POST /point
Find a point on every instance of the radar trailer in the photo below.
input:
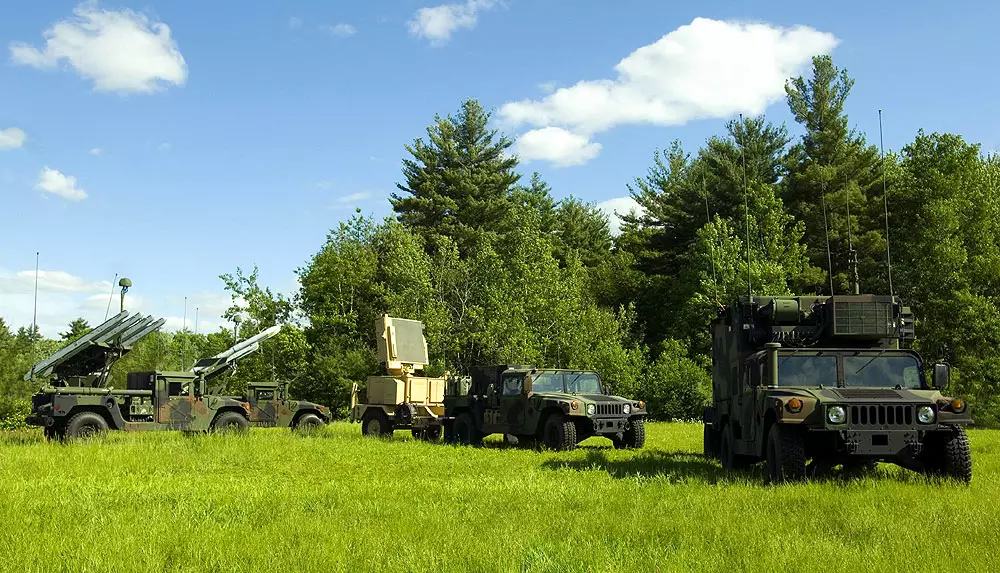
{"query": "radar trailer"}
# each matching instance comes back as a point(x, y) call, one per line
point(77, 402)
point(827, 380)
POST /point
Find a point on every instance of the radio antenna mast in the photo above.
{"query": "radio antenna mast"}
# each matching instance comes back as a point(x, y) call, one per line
point(111, 297)
point(746, 208)
point(708, 219)
point(852, 255)
point(826, 229)
point(885, 204)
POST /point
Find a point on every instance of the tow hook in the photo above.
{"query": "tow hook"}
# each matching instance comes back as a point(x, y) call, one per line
point(851, 445)
point(627, 426)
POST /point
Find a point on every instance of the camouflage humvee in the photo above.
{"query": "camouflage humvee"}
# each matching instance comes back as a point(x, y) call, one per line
point(559, 407)
point(77, 402)
point(271, 407)
point(825, 380)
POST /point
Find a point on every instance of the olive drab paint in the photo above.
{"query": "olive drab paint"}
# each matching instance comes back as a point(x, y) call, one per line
point(788, 388)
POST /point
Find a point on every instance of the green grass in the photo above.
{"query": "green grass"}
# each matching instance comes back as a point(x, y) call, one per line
point(273, 501)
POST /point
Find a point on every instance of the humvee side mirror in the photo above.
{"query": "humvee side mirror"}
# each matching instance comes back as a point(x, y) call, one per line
point(941, 376)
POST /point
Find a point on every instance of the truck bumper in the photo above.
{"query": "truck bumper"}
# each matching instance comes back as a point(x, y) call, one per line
point(901, 444)
point(39, 420)
point(610, 426)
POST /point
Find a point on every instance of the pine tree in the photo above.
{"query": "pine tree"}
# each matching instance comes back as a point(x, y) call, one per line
point(77, 328)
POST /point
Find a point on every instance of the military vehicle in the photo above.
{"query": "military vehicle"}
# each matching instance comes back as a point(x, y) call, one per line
point(270, 404)
point(77, 402)
point(559, 407)
point(400, 399)
point(828, 380)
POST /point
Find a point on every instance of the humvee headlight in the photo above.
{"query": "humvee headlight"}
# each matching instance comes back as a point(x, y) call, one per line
point(591, 409)
point(575, 405)
point(958, 405)
point(925, 414)
point(836, 414)
point(794, 405)
point(642, 404)
point(626, 409)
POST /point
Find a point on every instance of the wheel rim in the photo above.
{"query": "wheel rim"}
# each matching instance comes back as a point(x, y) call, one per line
point(87, 431)
point(373, 426)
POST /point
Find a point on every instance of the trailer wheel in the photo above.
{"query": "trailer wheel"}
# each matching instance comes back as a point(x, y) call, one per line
point(375, 423)
point(86, 425)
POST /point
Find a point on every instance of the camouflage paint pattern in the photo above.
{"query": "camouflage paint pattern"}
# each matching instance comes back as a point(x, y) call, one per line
point(270, 406)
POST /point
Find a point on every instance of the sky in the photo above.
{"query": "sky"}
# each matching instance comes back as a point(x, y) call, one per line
point(171, 142)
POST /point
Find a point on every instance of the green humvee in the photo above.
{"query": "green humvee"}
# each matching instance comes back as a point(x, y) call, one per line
point(824, 380)
point(270, 406)
point(77, 402)
point(559, 407)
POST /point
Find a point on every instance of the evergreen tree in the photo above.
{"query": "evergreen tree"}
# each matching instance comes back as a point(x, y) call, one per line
point(459, 182)
point(77, 328)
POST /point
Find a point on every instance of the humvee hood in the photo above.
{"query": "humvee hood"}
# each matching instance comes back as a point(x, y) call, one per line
point(875, 395)
point(600, 398)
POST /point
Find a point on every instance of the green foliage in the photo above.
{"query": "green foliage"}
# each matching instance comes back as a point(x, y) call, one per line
point(77, 328)
point(676, 387)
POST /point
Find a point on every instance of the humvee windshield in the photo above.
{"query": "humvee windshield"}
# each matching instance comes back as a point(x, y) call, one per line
point(876, 371)
point(568, 382)
point(806, 370)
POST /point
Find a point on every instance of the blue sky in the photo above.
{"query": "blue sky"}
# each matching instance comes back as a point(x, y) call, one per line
point(171, 142)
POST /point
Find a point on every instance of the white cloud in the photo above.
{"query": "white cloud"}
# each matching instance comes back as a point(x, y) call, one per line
point(556, 145)
point(96, 151)
point(547, 87)
point(354, 197)
point(120, 51)
point(163, 146)
point(52, 181)
point(613, 208)
point(438, 22)
point(705, 69)
point(341, 30)
point(11, 138)
point(294, 23)
point(23, 282)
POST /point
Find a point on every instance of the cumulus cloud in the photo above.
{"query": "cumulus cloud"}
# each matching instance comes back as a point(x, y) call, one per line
point(341, 30)
point(23, 282)
point(616, 207)
point(556, 145)
point(437, 23)
point(12, 138)
point(705, 69)
point(120, 51)
point(52, 181)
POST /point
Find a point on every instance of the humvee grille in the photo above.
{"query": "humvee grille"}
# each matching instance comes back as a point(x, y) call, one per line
point(609, 409)
point(882, 415)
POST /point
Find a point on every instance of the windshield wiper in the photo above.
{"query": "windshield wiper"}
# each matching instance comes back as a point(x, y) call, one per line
point(880, 353)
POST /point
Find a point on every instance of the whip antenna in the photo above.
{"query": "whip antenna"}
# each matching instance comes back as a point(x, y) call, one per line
point(885, 204)
point(708, 219)
point(852, 255)
point(826, 229)
point(746, 206)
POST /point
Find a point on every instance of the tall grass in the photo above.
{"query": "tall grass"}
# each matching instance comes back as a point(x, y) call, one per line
point(274, 501)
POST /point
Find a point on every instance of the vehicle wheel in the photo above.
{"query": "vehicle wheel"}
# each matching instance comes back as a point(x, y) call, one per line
point(465, 430)
point(429, 434)
point(786, 455)
point(559, 433)
point(375, 423)
point(948, 455)
point(449, 432)
point(710, 447)
point(228, 422)
point(308, 423)
point(634, 438)
point(52, 432)
point(86, 425)
point(727, 456)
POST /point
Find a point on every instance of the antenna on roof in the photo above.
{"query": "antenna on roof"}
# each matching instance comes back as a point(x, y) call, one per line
point(708, 219)
point(34, 316)
point(746, 207)
point(111, 297)
point(826, 229)
point(885, 204)
point(852, 255)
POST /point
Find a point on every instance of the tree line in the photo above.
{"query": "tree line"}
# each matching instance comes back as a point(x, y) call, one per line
point(502, 272)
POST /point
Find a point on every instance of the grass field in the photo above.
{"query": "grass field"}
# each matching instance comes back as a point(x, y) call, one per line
point(273, 501)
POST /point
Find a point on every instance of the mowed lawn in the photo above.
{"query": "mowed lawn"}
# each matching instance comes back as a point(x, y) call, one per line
point(273, 501)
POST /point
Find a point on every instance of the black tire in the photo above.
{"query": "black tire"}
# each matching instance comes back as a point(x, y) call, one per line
point(52, 433)
point(949, 455)
point(449, 432)
point(432, 433)
point(465, 430)
point(233, 422)
point(786, 455)
point(634, 438)
point(727, 456)
point(375, 423)
point(308, 423)
point(559, 434)
point(710, 446)
point(86, 425)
